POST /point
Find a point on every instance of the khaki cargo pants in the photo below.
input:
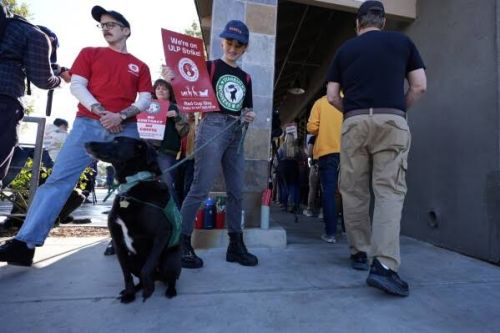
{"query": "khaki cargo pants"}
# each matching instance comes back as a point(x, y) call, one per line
point(374, 147)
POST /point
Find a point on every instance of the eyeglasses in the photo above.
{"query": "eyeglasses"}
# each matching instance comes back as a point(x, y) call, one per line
point(109, 25)
point(234, 43)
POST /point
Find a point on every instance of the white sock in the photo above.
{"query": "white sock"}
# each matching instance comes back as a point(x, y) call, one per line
point(383, 265)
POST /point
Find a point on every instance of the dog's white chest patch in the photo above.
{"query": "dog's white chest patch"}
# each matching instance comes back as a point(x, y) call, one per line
point(126, 237)
point(124, 203)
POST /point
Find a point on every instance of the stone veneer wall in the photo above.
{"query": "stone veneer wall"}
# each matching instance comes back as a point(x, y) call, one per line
point(260, 17)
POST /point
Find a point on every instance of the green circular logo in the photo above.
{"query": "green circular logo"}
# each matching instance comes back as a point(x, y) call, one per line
point(230, 92)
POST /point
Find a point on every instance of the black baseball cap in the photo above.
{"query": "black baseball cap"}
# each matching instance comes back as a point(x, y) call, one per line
point(371, 7)
point(59, 122)
point(98, 11)
point(236, 30)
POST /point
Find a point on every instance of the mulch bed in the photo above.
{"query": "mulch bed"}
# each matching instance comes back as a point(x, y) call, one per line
point(66, 231)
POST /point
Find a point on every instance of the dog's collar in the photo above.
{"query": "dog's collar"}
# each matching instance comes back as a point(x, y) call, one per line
point(131, 181)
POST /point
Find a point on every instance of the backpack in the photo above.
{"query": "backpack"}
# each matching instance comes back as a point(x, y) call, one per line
point(5, 17)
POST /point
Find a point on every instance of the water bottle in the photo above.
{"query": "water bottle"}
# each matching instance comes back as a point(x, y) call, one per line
point(209, 216)
point(220, 206)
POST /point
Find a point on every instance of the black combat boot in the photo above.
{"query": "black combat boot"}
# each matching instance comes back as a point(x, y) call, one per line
point(189, 258)
point(237, 251)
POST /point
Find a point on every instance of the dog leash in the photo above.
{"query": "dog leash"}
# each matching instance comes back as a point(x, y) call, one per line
point(243, 125)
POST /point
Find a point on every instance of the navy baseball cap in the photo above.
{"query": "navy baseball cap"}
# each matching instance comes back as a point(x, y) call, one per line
point(371, 7)
point(98, 11)
point(236, 30)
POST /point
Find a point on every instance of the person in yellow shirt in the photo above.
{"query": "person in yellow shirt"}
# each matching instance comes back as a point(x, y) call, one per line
point(325, 122)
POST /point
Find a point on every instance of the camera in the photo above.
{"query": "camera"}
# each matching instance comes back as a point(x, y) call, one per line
point(58, 69)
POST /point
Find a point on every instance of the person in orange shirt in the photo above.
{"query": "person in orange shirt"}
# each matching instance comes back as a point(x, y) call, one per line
point(325, 122)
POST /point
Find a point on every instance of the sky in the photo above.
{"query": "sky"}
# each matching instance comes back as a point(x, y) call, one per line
point(75, 28)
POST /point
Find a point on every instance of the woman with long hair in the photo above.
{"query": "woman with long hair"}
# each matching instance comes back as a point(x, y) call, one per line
point(289, 152)
point(175, 128)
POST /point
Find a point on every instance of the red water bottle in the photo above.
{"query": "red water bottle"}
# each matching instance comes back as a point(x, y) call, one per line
point(198, 222)
point(220, 218)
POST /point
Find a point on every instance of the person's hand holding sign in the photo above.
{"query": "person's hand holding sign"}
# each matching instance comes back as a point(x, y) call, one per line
point(167, 73)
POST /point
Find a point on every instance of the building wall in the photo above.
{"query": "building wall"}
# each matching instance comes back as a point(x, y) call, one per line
point(401, 9)
point(260, 17)
point(454, 174)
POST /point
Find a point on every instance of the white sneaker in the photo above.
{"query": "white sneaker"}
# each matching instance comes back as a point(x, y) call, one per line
point(320, 215)
point(307, 212)
point(329, 239)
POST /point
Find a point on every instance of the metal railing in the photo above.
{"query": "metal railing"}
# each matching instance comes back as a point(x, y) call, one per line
point(37, 154)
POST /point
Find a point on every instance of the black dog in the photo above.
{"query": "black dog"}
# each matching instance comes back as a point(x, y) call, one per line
point(144, 233)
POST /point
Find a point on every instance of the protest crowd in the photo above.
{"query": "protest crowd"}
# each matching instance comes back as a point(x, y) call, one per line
point(357, 133)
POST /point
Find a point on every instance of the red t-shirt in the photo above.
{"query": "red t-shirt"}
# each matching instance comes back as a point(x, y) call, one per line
point(114, 78)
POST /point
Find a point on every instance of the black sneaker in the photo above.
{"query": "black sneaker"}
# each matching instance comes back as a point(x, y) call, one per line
point(387, 280)
point(189, 258)
point(359, 261)
point(15, 252)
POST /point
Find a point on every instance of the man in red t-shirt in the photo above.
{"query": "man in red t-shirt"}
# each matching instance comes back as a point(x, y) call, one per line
point(112, 86)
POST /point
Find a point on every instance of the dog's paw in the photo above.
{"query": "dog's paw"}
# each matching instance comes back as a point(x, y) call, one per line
point(171, 292)
point(147, 290)
point(126, 296)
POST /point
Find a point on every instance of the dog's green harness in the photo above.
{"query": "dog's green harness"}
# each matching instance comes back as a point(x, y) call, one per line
point(170, 210)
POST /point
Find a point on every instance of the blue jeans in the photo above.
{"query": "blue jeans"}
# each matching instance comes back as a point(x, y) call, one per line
point(188, 177)
point(291, 178)
point(328, 175)
point(165, 161)
point(292, 196)
point(71, 161)
point(222, 150)
point(282, 191)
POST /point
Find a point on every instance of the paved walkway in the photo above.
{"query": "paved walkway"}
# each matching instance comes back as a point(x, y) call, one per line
point(307, 287)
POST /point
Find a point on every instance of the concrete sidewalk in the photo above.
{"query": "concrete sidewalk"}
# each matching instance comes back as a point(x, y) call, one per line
point(307, 287)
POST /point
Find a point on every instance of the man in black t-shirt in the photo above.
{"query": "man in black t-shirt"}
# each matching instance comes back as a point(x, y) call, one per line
point(370, 69)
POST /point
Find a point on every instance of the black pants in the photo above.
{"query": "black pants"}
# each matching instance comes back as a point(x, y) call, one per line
point(11, 112)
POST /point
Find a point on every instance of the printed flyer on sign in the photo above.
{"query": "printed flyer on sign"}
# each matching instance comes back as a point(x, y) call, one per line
point(192, 86)
point(151, 123)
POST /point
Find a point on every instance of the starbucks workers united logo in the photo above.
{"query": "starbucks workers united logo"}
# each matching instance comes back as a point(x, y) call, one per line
point(230, 92)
